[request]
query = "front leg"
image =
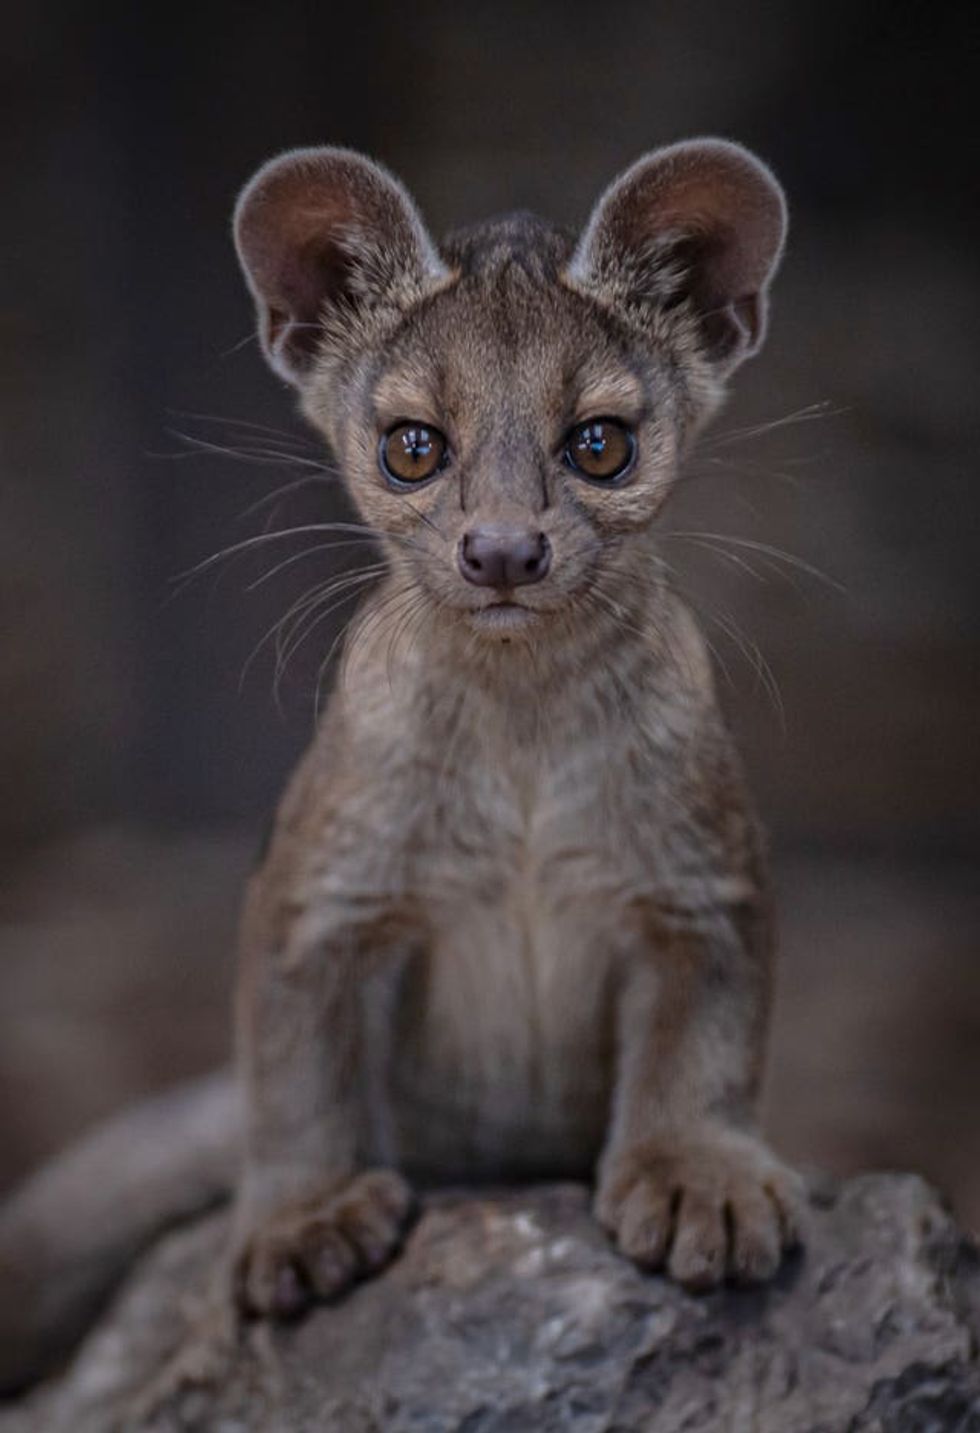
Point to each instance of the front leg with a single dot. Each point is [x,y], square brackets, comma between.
[310,1218]
[684,1181]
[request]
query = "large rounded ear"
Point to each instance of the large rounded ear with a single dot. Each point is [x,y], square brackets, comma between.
[326,234]
[702,222]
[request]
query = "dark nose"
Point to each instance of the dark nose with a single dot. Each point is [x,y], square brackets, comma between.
[503,556]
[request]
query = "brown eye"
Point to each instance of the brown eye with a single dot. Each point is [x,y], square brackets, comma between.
[601,449]
[411,452]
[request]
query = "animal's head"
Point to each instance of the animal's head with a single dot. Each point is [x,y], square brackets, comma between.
[509,410]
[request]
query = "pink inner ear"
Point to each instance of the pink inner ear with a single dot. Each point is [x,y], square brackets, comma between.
[739,220]
[715,207]
[308,274]
[283,240]
[293,226]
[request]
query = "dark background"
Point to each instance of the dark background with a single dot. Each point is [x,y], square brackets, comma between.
[138,772]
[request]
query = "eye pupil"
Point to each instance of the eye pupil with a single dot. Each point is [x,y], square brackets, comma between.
[411,453]
[601,449]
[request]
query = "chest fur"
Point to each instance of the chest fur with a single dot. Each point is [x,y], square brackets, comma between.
[505,1011]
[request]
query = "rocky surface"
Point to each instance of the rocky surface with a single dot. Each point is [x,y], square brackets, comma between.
[511,1312]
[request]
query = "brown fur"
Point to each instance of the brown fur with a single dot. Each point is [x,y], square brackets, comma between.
[513,921]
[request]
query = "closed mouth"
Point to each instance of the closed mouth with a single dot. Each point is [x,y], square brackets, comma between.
[502,616]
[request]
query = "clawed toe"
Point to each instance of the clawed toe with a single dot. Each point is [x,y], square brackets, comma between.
[706,1209]
[318,1247]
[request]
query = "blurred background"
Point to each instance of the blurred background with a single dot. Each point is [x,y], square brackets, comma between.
[141,750]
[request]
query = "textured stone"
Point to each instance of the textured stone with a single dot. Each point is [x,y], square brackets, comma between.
[511,1312]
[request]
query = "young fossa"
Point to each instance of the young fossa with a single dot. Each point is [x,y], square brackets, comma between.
[513,920]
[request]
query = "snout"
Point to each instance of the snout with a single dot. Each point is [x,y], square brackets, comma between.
[503,557]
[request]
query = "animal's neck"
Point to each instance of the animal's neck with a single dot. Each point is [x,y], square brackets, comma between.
[574,668]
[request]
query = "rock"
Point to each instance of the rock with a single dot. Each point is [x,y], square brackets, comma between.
[510,1311]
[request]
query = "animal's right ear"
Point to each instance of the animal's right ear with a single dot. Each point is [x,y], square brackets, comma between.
[326,235]
[700,224]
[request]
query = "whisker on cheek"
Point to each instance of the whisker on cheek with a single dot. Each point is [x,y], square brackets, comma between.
[315,610]
[810,413]
[264,456]
[283,435]
[301,556]
[719,542]
[283,631]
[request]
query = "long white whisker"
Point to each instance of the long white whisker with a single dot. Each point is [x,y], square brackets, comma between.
[279,493]
[296,612]
[263,456]
[764,548]
[808,414]
[296,639]
[306,552]
[219,419]
[259,539]
[293,635]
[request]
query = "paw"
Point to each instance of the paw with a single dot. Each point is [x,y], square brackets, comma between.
[706,1207]
[317,1247]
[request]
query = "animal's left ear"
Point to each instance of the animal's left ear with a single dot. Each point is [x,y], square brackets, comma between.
[702,222]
